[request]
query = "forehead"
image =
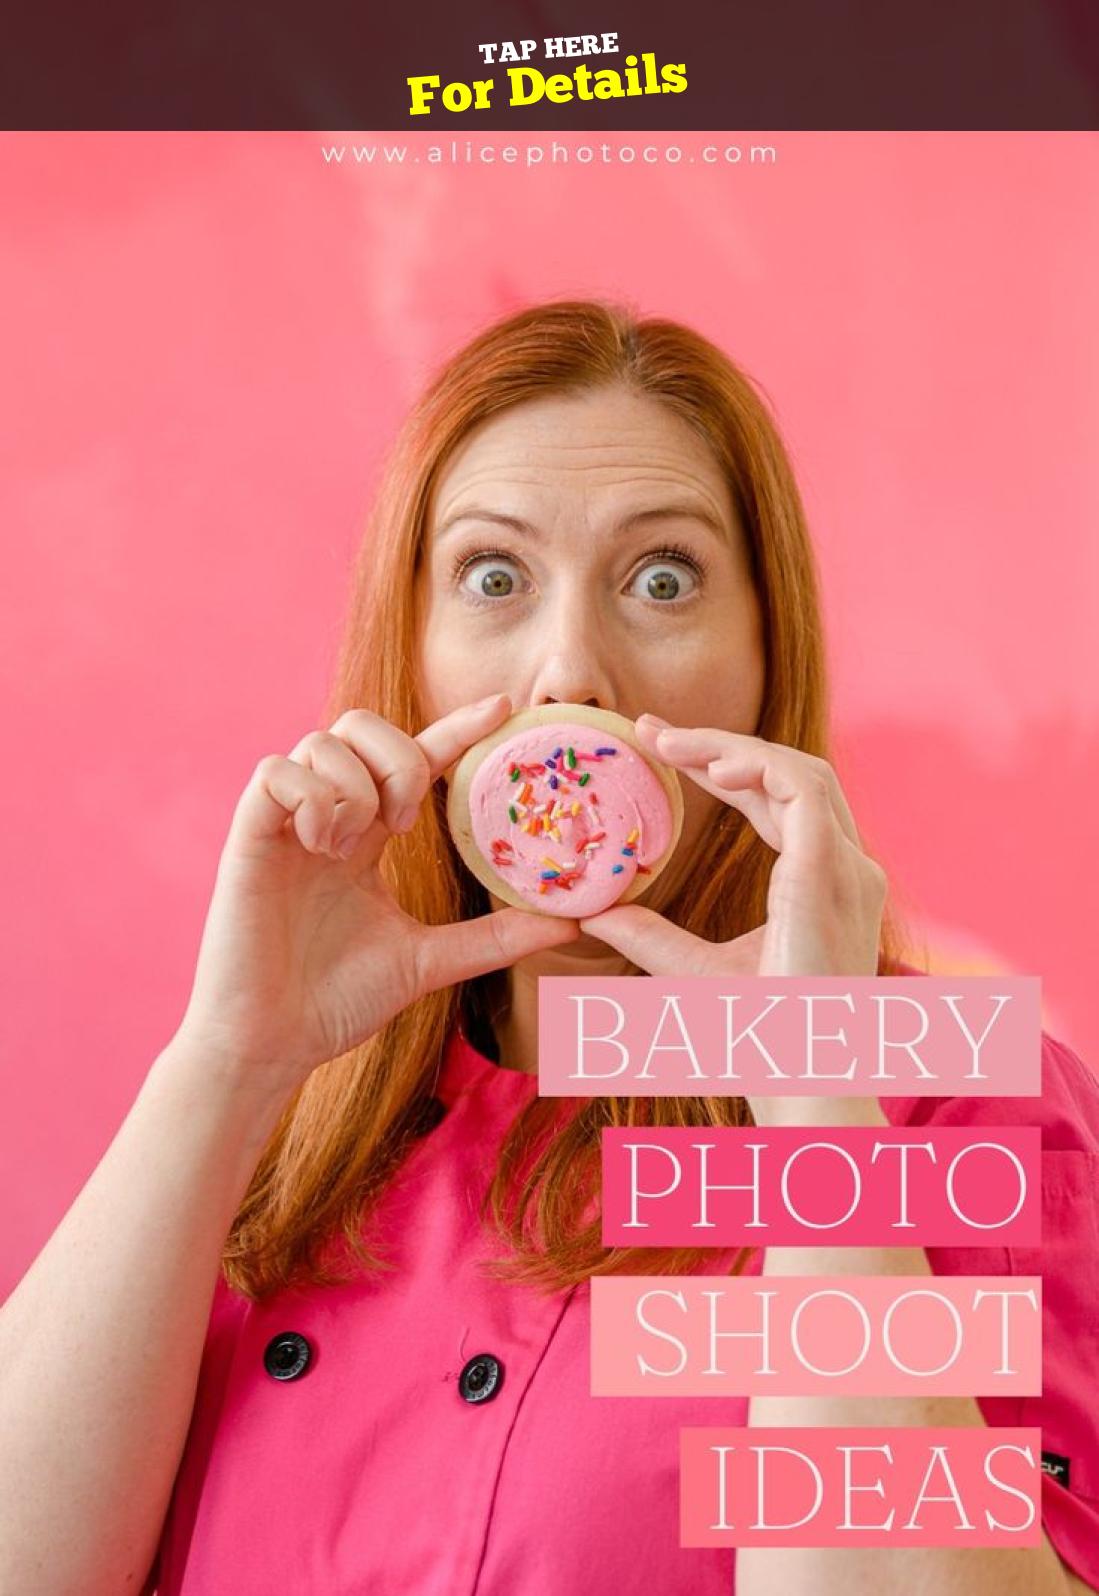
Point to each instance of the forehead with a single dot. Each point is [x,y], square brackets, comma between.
[602,439]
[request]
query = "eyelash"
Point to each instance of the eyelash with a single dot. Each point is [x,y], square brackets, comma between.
[668,551]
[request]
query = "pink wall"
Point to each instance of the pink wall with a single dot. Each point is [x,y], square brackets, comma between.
[210,338]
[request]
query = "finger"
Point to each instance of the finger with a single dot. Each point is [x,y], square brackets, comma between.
[805,822]
[404,767]
[468,948]
[355,797]
[766,766]
[651,942]
[781,772]
[841,806]
[391,761]
[446,740]
[280,793]
[752,803]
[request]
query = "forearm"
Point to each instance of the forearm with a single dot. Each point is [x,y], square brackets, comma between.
[100,1343]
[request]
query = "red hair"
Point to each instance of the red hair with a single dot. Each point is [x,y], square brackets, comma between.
[348,1127]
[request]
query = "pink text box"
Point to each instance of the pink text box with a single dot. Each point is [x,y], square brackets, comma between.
[990,1478]
[849,1186]
[808,1335]
[826,1036]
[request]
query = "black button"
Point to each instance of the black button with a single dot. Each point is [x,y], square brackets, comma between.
[481,1378]
[287,1356]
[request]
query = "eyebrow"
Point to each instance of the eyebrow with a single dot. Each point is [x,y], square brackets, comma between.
[692,511]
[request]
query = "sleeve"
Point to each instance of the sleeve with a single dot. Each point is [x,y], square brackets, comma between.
[1068,1261]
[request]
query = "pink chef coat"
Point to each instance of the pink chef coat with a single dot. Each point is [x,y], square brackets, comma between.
[370,1472]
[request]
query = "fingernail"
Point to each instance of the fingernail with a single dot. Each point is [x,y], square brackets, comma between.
[654,720]
[483,703]
[347,847]
[407,818]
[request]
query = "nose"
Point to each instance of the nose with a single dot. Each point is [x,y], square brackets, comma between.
[571,650]
[568,677]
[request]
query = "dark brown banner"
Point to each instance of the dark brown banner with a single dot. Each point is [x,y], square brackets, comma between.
[547,66]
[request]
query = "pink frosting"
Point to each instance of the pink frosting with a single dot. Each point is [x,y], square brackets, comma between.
[623,817]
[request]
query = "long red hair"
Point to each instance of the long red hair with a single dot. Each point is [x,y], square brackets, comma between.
[348,1127]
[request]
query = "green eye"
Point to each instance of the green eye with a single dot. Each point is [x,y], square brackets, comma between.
[665,581]
[674,575]
[495,582]
[488,575]
[664,585]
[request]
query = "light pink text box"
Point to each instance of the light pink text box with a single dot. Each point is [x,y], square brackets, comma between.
[826,1036]
[990,1478]
[850,1186]
[808,1335]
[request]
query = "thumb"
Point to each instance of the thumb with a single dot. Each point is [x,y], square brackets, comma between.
[467,948]
[650,941]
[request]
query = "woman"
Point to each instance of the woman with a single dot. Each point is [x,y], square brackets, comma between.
[386,1388]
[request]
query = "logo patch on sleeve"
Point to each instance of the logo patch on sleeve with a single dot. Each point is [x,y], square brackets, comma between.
[1053,1463]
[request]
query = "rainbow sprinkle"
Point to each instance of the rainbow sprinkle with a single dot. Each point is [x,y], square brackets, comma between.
[547,780]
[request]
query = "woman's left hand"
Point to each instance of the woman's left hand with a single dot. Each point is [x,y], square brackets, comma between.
[824,901]
[825,898]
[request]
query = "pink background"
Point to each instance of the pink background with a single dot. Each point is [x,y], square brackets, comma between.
[209,341]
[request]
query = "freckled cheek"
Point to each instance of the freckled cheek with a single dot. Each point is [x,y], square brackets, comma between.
[708,685]
[729,685]
[440,677]
[457,668]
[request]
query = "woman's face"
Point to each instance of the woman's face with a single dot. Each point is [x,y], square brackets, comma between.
[584,549]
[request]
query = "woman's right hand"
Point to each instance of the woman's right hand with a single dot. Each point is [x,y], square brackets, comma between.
[306,953]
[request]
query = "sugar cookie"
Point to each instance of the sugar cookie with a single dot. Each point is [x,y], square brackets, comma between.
[560,811]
